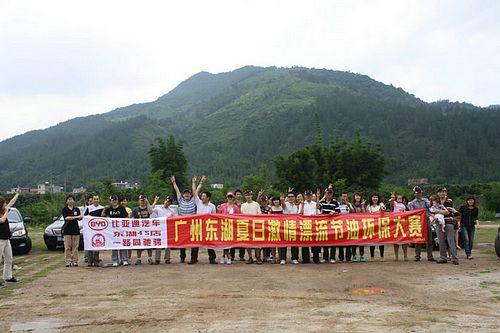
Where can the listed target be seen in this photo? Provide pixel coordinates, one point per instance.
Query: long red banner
(224, 230)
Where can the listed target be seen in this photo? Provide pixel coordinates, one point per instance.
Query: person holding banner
(71, 231)
(229, 207)
(328, 205)
(418, 203)
(119, 212)
(398, 206)
(187, 206)
(203, 206)
(344, 208)
(289, 207)
(94, 209)
(164, 211)
(309, 208)
(358, 206)
(275, 208)
(252, 208)
(375, 206)
(238, 195)
(144, 212)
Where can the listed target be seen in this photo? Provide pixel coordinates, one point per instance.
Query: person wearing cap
(187, 206)
(328, 205)
(94, 209)
(251, 207)
(309, 208)
(238, 196)
(119, 212)
(203, 206)
(71, 231)
(144, 212)
(422, 203)
(163, 211)
(447, 238)
(229, 207)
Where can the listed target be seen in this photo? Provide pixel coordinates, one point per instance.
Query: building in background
(126, 185)
(49, 188)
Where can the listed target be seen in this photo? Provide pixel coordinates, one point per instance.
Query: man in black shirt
(116, 211)
(71, 231)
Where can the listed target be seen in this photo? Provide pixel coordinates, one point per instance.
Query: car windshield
(14, 217)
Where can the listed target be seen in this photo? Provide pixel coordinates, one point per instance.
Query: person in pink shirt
(229, 207)
(398, 206)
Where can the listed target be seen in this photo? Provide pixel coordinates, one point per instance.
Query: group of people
(450, 224)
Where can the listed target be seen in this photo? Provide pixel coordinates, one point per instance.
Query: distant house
(48, 188)
(418, 181)
(77, 190)
(217, 186)
(126, 185)
(23, 190)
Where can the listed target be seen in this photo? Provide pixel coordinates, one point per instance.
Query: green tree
(352, 165)
(167, 159)
(492, 197)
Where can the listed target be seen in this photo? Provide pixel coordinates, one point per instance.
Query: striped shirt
(329, 207)
(186, 207)
(448, 203)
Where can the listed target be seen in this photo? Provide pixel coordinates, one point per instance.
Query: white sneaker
(125, 263)
(332, 261)
(222, 260)
(295, 262)
(322, 261)
(282, 262)
(115, 264)
(228, 261)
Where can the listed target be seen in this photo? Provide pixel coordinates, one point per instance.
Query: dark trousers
(194, 254)
(333, 252)
(306, 255)
(372, 251)
(267, 252)
(316, 250)
(295, 253)
(182, 254)
(418, 247)
(467, 232)
(326, 253)
(232, 252)
(361, 251)
(348, 253)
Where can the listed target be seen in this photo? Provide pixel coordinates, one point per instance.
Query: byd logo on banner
(98, 224)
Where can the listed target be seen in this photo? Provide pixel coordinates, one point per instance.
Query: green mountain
(234, 122)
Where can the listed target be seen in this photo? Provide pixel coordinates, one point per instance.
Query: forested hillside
(234, 122)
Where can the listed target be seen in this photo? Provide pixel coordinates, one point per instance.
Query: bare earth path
(419, 297)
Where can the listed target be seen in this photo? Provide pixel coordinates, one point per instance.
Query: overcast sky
(64, 59)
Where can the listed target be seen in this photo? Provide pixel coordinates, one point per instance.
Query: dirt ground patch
(417, 297)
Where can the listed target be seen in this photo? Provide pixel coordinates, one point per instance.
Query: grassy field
(39, 262)
(486, 235)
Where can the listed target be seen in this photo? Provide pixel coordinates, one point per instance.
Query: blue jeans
(467, 232)
(123, 255)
